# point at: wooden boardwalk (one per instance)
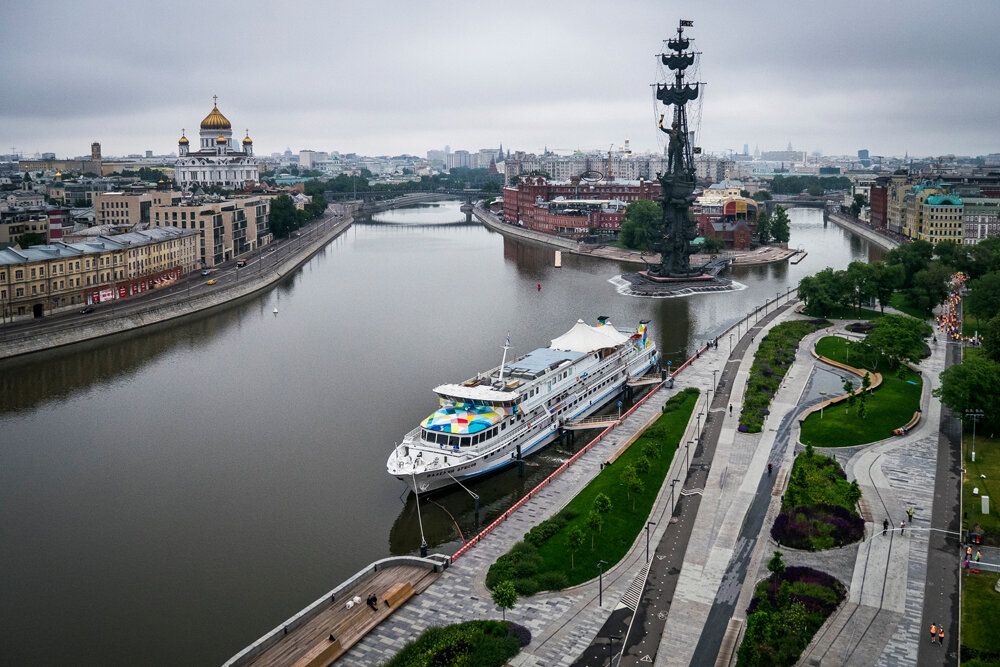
(310, 644)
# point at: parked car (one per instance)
(87, 310)
(240, 263)
(206, 272)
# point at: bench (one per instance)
(908, 426)
(398, 594)
(321, 654)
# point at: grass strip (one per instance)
(547, 560)
(772, 360)
(888, 407)
(980, 615)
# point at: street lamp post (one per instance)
(611, 640)
(777, 298)
(600, 581)
(687, 447)
(672, 506)
(714, 383)
(648, 524)
(697, 425)
(731, 345)
(975, 416)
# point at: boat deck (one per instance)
(310, 644)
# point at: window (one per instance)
(19, 275)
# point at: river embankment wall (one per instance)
(60, 334)
(861, 230)
(493, 223)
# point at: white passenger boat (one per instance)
(512, 411)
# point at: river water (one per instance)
(167, 497)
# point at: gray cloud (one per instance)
(396, 77)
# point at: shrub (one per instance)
(543, 531)
(486, 643)
(522, 633)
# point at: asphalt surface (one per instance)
(941, 592)
(668, 556)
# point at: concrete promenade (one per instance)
(886, 576)
(188, 297)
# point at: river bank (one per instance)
(177, 303)
(767, 255)
(868, 233)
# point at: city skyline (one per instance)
(355, 80)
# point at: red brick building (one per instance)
(733, 221)
(600, 204)
(878, 200)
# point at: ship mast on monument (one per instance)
(678, 181)
(673, 236)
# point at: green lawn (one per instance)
(889, 407)
(900, 303)
(980, 612)
(548, 563)
(987, 463)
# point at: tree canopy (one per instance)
(971, 385)
(763, 226)
(641, 224)
(504, 595)
(780, 231)
(793, 185)
(912, 256)
(983, 298)
(898, 337)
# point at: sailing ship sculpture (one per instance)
(678, 181)
(673, 236)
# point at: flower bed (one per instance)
(818, 509)
(786, 611)
(773, 359)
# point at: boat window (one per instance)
(503, 426)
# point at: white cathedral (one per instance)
(217, 160)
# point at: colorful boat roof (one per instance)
(462, 419)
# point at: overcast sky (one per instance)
(403, 77)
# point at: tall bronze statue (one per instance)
(677, 184)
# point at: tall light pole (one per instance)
(730, 345)
(697, 425)
(611, 639)
(714, 382)
(600, 581)
(672, 505)
(648, 524)
(974, 415)
(687, 446)
(777, 298)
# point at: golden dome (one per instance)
(216, 121)
(183, 140)
(247, 140)
(221, 140)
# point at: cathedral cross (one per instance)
(215, 100)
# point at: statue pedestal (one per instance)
(666, 280)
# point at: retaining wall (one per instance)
(871, 235)
(493, 223)
(114, 322)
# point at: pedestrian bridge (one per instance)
(594, 421)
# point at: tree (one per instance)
(632, 483)
(642, 465)
(866, 385)
(283, 218)
(885, 280)
(983, 298)
(859, 283)
(860, 201)
(595, 523)
(823, 291)
(713, 245)
(898, 337)
(602, 503)
(849, 390)
(763, 227)
(779, 225)
(29, 239)
(991, 338)
(953, 255)
(575, 541)
(776, 565)
(912, 256)
(504, 596)
(815, 190)
(930, 287)
(641, 224)
(762, 195)
(984, 257)
(973, 384)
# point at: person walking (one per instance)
(933, 632)
(885, 526)
(730, 409)
(940, 634)
(902, 525)
(968, 553)
(909, 513)
(977, 556)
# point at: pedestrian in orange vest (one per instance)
(941, 634)
(933, 632)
